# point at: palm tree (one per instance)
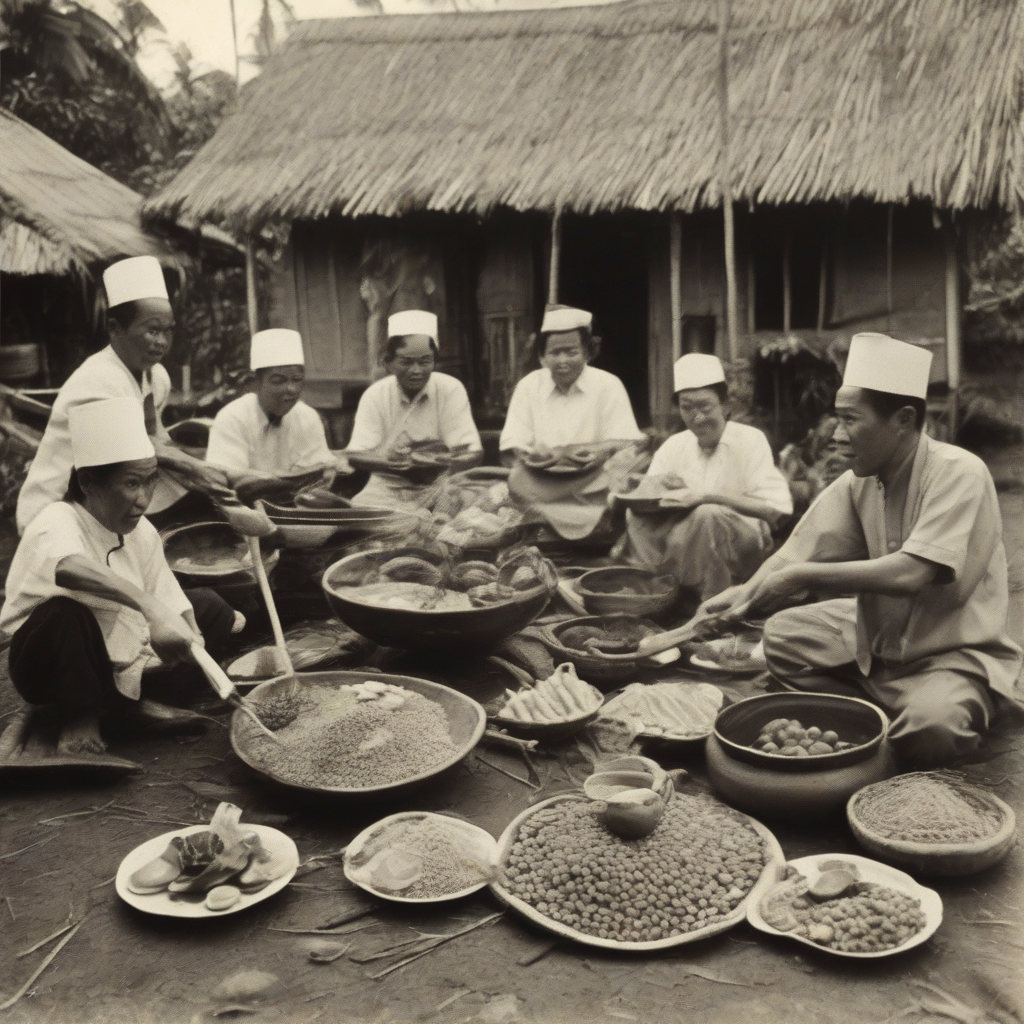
(63, 39)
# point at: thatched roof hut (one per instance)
(615, 107)
(59, 214)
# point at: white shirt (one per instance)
(242, 437)
(440, 412)
(741, 466)
(102, 375)
(65, 528)
(596, 408)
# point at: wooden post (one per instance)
(250, 286)
(787, 285)
(675, 263)
(888, 267)
(822, 285)
(234, 40)
(556, 255)
(751, 294)
(952, 325)
(725, 182)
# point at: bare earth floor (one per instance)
(125, 966)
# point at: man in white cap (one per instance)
(719, 488)
(140, 322)
(271, 431)
(567, 401)
(91, 602)
(413, 407)
(914, 530)
(568, 404)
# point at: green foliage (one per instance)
(994, 264)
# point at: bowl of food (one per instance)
(212, 554)
(849, 906)
(415, 599)
(420, 857)
(356, 734)
(667, 713)
(626, 589)
(545, 853)
(844, 746)
(935, 823)
(603, 647)
(552, 708)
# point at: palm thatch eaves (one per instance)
(59, 214)
(612, 107)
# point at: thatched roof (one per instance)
(59, 214)
(608, 107)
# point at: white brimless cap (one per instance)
(881, 363)
(412, 321)
(110, 430)
(139, 277)
(697, 370)
(277, 346)
(564, 318)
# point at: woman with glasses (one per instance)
(413, 409)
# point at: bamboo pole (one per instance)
(888, 267)
(751, 294)
(234, 40)
(822, 285)
(725, 182)
(952, 325)
(556, 255)
(787, 284)
(250, 286)
(675, 284)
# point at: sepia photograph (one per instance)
(511, 511)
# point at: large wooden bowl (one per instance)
(963, 858)
(466, 723)
(770, 875)
(451, 632)
(621, 588)
(228, 555)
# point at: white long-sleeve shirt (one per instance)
(595, 409)
(243, 437)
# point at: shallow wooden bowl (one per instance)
(466, 723)
(181, 542)
(947, 859)
(646, 592)
(451, 632)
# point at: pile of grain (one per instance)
(448, 861)
(927, 807)
(339, 738)
(690, 873)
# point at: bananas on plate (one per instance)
(562, 697)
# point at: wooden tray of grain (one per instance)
(690, 822)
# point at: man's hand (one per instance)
(169, 635)
(209, 480)
(681, 497)
(729, 604)
(342, 466)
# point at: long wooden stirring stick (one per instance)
(225, 688)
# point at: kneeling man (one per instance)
(91, 601)
(914, 531)
(721, 492)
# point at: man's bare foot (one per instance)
(81, 736)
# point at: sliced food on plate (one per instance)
(675, 711)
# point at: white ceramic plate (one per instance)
(870, 871)
(484, 841)
(769, 877)
(161, 902)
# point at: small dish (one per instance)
(482, 844)
(166, 904)
(869, 871)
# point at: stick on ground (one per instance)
(7, 1004)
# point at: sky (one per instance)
(205, 25)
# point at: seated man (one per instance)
(91, 601)
(914, 530)
(139, 322)
(271, 431)
(568, 402)
(721, 491)
(413, 404)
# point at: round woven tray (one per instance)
(963, 858)
(770, 875)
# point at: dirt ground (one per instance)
(61, 843)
